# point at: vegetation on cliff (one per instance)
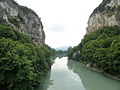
(23, 8)
(100, 49)
(102, 6)
(23, 65)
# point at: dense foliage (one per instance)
(101, 49)
(60, 54)
(23, 65)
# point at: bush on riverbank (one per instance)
(101, 49)
(23, 65)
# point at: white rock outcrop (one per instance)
(22, 19)
(109, 16)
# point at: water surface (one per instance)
(74, 76)
(63, 78)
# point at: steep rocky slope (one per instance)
(100, 47)
(106, 14)
(22, 19)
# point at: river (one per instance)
(74, 76)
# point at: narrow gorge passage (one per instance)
(71, 75)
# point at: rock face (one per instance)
(22, 19)
(106, 14)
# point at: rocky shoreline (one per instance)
(98, 70)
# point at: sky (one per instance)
(64, 21)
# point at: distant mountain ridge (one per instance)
(63, 48)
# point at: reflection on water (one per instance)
(93, 80)
(59, 56)
(63, 78)
(46, 82)
(74, 76)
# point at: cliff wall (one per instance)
(22, 19)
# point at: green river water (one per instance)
(74, 76)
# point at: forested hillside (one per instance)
(100, 49)
(23, 65)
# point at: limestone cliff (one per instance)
(106, 14)
(22, 19)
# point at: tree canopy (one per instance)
(23, 65)
(101, 49)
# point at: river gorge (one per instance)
(71, 75)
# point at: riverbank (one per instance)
(100, 71)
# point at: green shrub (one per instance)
(23, 65)
(101, 49)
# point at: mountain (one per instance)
(106, 14)
(100, 47)
(63, 48)
(25, 59)
(22, 19)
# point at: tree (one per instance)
(23, 65)
(16, 69)
(101, 49)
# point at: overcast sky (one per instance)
(64, 21)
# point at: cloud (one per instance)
(64, 21)
(58, 28)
